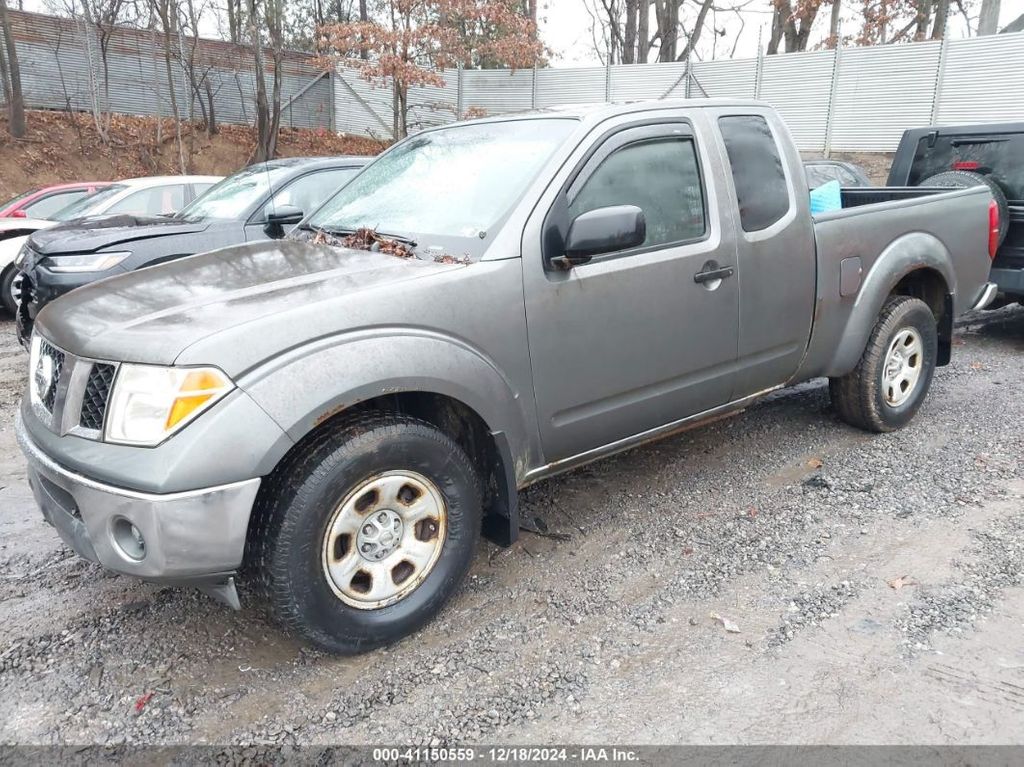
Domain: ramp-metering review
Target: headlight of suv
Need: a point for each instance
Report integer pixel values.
(19, 260)
(93, 262)
(149, 403)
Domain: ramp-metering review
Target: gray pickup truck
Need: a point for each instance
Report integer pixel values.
(339, 416)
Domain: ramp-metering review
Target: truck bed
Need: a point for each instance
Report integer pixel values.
(850, 243)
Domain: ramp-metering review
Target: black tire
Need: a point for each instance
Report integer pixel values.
(965, 179)
(6, 285)
(286, 537)
(859, 397)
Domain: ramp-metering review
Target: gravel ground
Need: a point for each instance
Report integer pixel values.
(774, 577)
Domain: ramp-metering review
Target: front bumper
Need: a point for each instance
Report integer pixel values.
(192, 536)
(38, 287)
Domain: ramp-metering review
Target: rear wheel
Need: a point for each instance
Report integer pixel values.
(7, 298)
(363, 537)
(895, 372)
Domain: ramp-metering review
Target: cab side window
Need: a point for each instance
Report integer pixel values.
(308, 192)
(157, 201)
(661, 177)
(761, 190)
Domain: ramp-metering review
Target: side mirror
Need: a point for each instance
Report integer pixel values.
(604, 230)
(280, 217)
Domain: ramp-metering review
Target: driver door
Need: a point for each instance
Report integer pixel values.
(637, 339)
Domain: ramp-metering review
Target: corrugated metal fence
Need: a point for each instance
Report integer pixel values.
(62, 67)
(848, 100)
(852, 99)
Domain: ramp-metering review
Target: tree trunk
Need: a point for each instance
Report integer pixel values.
(780, 11)
(924, 17)
(833, 23)
(211, 115)
(629, 36)
(364, 16)
(262, 104)
(941, 13)
(667, 12)
(643, 31)
(165, 13)
(16, 100)
(988, 20)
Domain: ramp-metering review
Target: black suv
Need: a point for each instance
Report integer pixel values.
(970, 155)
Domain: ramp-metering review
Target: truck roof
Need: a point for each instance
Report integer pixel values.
(604, 110)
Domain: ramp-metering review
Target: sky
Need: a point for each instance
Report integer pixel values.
(565, 28)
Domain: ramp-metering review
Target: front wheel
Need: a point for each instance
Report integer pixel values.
(895, 372)
(7, 299)
(361, 538)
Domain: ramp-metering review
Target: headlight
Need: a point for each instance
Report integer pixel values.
(149, 403)
(94, 262)
(19, 260)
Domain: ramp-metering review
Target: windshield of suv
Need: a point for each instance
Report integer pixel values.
(87, 206)
(234, 196)
(454, 182)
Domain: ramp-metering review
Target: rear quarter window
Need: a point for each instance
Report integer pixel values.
(761, 191)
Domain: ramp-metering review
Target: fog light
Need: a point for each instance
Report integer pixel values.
(129, 540)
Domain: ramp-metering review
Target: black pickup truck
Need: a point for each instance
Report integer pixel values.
(975, 155)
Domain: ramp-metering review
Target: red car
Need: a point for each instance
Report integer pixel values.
(44, 201)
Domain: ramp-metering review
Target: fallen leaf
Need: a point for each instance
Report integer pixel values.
(976, 366)
(142, 701)
(899, 583)
(815, 463)
(727, 624)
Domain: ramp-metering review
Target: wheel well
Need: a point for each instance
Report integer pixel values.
(488, 451)
(930, 286)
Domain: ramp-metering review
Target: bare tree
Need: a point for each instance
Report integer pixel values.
(167, 13)
(268, 14)
(622, 28)
(12, 78)
(792, 23)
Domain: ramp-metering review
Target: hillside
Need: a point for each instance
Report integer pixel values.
(66, 147)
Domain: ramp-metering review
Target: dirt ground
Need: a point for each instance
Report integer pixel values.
(63, 147)
(868, 589)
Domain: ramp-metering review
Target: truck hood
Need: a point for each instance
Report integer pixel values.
(87, 235)
(154, 314)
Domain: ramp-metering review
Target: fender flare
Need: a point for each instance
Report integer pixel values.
(341, 372)
(906, 254)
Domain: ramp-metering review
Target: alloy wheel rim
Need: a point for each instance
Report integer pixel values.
(384, 539)
(901, 371)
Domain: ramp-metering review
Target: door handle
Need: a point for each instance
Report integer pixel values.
(710, 275)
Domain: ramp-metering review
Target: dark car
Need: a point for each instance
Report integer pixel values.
(260, 202)
(975, 155)
(820, 172)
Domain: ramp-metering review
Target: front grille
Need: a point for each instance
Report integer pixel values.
(97, 392)
(70, 393)
(56, 356)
